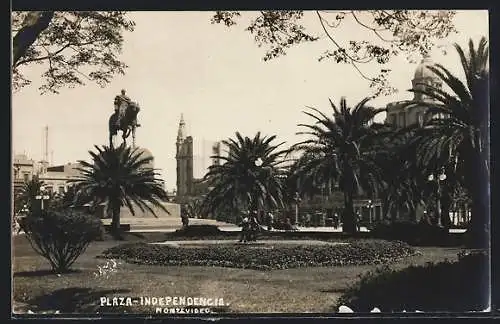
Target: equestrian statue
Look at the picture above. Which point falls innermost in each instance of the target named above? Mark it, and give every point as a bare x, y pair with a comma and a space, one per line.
124, 118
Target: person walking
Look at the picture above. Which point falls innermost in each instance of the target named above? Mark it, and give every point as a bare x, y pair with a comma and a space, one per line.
254, 227
244, 229
270, 221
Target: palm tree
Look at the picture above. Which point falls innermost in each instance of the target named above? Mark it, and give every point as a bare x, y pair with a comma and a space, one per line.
340, 149
461, 138
119, 177
249, 178
192, 208
404, 186
24, 198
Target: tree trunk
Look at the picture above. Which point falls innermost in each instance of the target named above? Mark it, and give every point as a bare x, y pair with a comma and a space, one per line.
115, 220
478, 232
348, 220
413, 215
445, 210
33, 25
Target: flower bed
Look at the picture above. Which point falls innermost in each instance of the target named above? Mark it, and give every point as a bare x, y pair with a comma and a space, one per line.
267, 257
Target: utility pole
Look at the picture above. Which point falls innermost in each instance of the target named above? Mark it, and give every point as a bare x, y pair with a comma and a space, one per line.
46, 148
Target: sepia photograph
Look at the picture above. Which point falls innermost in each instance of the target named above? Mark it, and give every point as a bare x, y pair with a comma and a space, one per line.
222, 163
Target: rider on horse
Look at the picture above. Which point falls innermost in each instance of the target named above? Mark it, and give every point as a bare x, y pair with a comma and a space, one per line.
124, 118
122, 103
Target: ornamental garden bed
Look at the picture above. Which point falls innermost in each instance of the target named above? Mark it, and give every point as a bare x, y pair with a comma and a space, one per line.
267, 257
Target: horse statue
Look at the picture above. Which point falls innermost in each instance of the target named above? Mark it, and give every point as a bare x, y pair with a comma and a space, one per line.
124, 119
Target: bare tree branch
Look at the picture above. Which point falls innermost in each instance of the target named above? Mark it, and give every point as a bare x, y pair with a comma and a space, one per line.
352, 60
375, 31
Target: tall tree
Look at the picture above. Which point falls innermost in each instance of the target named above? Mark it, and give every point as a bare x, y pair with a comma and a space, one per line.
340, 149
75, 46
459, 136
249, 178
119, 177
388, 33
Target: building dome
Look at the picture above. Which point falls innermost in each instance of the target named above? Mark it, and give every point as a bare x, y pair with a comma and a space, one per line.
145, 153
422, 71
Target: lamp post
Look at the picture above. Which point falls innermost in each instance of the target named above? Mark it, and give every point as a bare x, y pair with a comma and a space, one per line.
438, 179
42, 196
268, 172
297, 199
370, 208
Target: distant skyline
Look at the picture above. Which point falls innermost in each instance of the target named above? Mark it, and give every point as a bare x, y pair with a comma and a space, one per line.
214, 75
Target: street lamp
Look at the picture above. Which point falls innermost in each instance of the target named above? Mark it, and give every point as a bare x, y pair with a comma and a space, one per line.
268, 169
297, 200
370, 206
438, 180
42, 196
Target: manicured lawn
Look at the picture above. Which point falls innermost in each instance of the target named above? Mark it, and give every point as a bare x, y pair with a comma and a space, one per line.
293, 290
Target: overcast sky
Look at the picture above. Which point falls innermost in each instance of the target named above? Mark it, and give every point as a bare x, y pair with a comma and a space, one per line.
215, 76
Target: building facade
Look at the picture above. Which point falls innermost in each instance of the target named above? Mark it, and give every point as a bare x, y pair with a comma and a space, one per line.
408, 112
193, 161
24, 169
57, 178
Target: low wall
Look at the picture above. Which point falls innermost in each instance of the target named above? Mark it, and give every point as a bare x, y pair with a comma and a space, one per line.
174, 211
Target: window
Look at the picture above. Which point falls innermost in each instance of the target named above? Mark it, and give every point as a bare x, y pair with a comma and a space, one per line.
26, 176
61, 189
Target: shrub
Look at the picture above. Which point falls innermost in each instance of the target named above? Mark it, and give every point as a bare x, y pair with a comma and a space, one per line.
199, 231
411, 233
61, 236
445, 287
262, 257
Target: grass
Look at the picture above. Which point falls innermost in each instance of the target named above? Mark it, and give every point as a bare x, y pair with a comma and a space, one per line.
247, 291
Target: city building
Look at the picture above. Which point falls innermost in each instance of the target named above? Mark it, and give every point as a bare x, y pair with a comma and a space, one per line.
408, 112
24, 169
193, 161
57, 178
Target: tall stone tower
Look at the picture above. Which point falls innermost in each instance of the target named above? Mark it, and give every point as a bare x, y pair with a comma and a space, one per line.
184, 157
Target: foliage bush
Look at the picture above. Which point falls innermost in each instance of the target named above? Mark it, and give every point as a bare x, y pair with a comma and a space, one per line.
198, 231
61, 236
442, 287
262, 257
411, 233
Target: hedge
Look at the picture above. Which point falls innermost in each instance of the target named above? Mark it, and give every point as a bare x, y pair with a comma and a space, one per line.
458, 286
